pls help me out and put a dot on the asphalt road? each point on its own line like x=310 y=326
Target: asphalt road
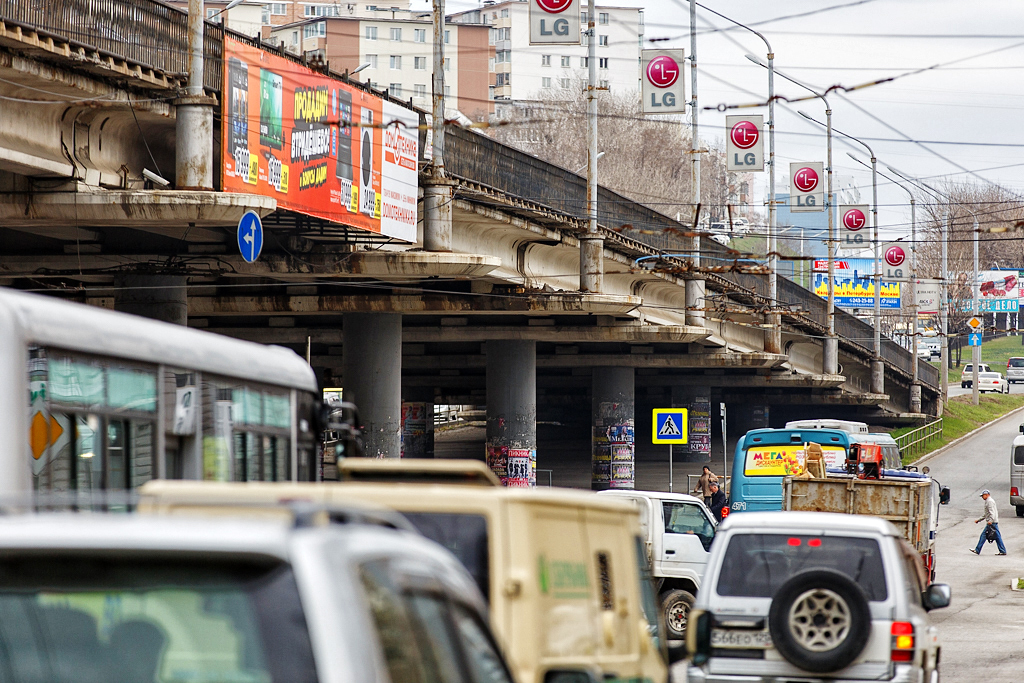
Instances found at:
x=982 y=631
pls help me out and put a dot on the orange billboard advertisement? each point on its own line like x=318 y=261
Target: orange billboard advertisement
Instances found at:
x=317 y=145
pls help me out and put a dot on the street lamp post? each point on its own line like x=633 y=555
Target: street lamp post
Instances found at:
x=773 y=341
x=877 y=366
x=975 y=350
x=830 y=349
x=915 y=385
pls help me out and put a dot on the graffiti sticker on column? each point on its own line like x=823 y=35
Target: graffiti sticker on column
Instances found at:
x=670 y=425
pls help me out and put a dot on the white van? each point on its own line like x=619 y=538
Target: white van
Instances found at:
x=859 y=433
x=1017 y=473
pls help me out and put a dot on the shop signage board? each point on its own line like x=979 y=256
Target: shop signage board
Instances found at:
x=662 y=86
x=744 y=143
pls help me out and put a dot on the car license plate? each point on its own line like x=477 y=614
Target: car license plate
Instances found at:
x=750 y=640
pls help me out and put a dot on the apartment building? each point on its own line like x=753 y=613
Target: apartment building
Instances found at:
x=525 y=73
x=399 y=55
x=291 y=11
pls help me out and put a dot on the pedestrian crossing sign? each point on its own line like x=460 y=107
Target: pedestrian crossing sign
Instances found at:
x=669 y=425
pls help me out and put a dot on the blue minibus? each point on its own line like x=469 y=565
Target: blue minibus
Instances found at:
x=764 y=456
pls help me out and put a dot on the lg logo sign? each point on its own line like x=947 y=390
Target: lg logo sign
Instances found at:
x=744 y=149
x=662 y=85
x=554 y=22
x=806 y=179
x=854 y=220
x=895 y=256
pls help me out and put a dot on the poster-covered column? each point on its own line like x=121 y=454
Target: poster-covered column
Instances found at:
x=613 y=446
x=697 y=401
x=511 y=447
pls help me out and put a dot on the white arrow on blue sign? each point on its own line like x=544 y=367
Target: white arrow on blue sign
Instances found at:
x=250 y=236
x=974 y=339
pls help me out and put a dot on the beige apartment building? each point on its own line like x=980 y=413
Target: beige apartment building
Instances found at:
x=398 y=53
x=526 y=73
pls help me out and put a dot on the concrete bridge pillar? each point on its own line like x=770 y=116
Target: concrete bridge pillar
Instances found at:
x=878 y=376
x=511 y=448
x=612 y=440
x=160 y=297
x=695 y=302
x=915 y=397
x=373 y=379
x=418 y=424
x=697 y=401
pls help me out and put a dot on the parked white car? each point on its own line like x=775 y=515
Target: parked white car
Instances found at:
x=813 y=596
x=94 y=597
x=678 y=530
x=992 y=381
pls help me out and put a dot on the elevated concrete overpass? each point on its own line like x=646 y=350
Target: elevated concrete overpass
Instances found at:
x=497 y=321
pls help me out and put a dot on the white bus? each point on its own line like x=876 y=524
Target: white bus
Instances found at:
x=95 y=400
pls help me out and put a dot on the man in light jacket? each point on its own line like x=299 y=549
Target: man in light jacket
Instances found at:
x=704 y=484
x=991 y=518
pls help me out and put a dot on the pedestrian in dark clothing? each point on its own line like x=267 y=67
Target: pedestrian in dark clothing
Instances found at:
x=718 y=501
x=704 y=484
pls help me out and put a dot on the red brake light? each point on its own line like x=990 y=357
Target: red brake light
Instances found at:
x=725 y=513
x=814 y=542
x=794 y=541
x=1013 y=491
x=902 y=641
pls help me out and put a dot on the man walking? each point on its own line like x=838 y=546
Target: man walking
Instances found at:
x=991 y=518
x=719 y=501
x=704 y=484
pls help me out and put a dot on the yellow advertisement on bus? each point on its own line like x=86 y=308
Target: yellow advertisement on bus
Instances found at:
x=786 y=459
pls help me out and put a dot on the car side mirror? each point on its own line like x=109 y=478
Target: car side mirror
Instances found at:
x=938 y=595
x=1022 y=429
x=944 y=495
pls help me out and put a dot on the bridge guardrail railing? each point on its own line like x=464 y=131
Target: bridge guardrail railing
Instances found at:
x=915 y=442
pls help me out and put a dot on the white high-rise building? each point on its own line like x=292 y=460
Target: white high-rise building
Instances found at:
x=525 y=73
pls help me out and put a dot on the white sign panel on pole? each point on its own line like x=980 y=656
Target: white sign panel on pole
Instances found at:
x=744 y=144
x=894 y=260
x=806 y=186
x=554 y=22
x=663 y=88
x=928 y=293
x=853 y=226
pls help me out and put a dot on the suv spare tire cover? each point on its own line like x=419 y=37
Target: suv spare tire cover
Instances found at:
x=819 y=621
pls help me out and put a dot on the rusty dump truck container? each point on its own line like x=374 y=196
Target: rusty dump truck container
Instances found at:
x=910 y=504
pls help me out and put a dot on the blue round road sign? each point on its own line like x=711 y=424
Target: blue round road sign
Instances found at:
x=250 y=236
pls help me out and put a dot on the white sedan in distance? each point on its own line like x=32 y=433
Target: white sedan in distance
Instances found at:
x=992 y=381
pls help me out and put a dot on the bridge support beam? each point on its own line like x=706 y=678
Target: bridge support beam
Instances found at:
x=878 y=376
x=612 y=440
x=194 y=114
x=695 y=302
x=160 y=297
x=830 y=356
x=437 y=215
x=511 y=447
x=915 y=397
x=373 y=379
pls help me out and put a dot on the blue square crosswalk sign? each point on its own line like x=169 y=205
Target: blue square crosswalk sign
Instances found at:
x=669 y=425
x=974 y=339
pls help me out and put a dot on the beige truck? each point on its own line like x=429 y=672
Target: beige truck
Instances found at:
x=564 y=571
x=908 y=500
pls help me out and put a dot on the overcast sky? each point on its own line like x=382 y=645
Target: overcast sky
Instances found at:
x=976 y=101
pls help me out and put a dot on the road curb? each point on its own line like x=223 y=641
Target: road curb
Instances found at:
x=956 y=442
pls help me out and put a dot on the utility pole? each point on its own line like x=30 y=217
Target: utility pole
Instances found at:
x=437 y=190
x=915 y=386
x=592 y=244
x=694 y=285
x=975 y=350
x=194 y=114
x=943 y=313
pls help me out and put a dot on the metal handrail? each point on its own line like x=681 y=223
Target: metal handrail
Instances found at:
x=915 y=441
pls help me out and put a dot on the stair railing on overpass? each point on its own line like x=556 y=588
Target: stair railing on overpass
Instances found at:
x=915 y=442
x=148 y=33
x=154 y=35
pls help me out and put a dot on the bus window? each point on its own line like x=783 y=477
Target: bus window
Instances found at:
x=91 y=422
x=246 y=432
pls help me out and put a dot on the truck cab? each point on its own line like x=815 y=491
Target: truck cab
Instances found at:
x=678 y=531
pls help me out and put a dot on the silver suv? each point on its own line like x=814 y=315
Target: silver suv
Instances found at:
x=811 y=596
x=100 y=598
